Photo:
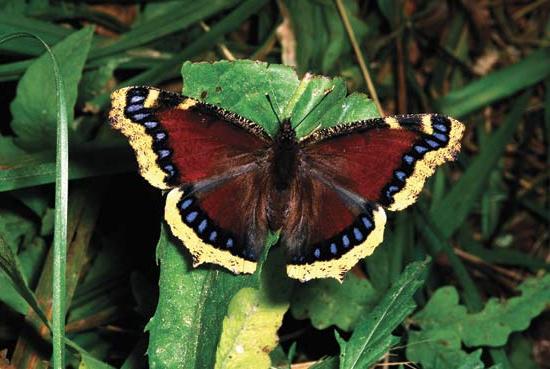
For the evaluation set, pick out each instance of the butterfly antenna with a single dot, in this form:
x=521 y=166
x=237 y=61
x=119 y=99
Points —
x=315 y=107
x=273 y=108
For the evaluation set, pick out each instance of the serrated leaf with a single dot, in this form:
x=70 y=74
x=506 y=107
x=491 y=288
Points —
x=241 y=86
x=445 y=324
x=321 y=301
x=373 y=336
x=34 y=108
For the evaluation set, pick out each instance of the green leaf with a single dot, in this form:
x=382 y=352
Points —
x=34 y=108
x=321 y=301
x=496 y=85
x=9 y=264
x=186 y=327
x=372 y=338
x=241 y=86
x=445 y=324
x=249 y=331
x=321 y=39
x=254 y=316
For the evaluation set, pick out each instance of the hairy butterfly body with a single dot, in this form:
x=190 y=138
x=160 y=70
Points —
x=231 y=183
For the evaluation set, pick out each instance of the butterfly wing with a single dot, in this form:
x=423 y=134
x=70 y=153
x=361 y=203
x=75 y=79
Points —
x=210 y=159
x=385 y=160
x=328 y=229
x=349 y=174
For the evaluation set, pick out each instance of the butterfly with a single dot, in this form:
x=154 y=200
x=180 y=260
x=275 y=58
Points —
x=230 y=183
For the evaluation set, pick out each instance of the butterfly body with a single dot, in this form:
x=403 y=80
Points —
x=231 y=183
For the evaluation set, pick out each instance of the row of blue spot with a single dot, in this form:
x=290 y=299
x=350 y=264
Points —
x=138 y=113
x=206 y=229
x=439 y=138
x=339 y=244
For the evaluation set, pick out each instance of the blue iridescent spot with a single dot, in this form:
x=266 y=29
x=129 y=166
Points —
x=400 y=175
x=137 y=98
x=294 y=259
x=160 y=136
x=185 y=204
x=440 y=127
x=432 y=143
x=441 y=137
x=163 y=153
x=302 y=259
x=213 y=236
x=420 y=149
x=150 y=124
x=345 y=240
x=333 y=249
x=391 y=190
x=169 y=168
x=229 y=243
x=408 y=159
x=133 y=108
x=191 y=216
x=317 y=253
x=367 y=222
x=140 y=116
x=357 y=233
x=202 y=225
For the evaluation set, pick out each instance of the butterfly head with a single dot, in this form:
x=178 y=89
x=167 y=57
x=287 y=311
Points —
x=286 y=135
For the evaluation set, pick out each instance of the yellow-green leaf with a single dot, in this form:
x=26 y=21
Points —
x=249 y=331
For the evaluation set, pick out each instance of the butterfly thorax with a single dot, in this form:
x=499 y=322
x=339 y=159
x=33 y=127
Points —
x=285 y=156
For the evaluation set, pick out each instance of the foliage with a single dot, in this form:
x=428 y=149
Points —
x=483 y=220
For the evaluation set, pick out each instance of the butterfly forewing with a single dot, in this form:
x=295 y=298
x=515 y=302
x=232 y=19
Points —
x=385 y=160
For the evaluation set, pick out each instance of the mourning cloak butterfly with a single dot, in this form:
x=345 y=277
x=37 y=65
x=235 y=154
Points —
x=231 y=183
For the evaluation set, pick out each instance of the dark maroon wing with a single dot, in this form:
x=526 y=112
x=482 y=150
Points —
x=179 y=140
x=347 y=175
x=385 y=160
x=214 y=162
x=328 y=229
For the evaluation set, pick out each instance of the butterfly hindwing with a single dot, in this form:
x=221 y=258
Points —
x=385 y=160
x=328 y=230
x=179 y=140
x=225 y=224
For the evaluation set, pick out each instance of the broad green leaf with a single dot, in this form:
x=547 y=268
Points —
x=34 y=108
x=497 y=85
x=321 y=301
x=242 y=86
x=372 y=337
x=445 y=324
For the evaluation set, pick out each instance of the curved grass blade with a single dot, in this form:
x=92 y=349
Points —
x=61 y=195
